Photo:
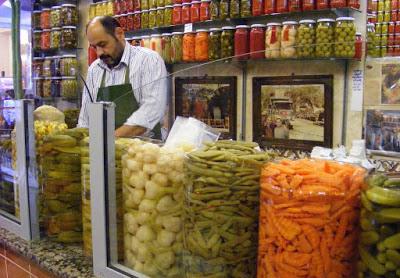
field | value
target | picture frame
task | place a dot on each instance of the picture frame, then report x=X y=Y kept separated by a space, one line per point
x=390 y=84
x=293 y=112
x=210 y=99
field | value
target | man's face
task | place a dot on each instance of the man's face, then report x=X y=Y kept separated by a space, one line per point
x=108 y=48
x=279 y=122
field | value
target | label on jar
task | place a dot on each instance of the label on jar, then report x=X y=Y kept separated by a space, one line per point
x=188 y=27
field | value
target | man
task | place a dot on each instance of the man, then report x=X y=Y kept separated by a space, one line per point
x=281 y=131
x=134 y=78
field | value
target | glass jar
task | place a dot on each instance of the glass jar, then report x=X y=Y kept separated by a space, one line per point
x=257 y=41
x=325 y=38
x=37 y=66
x=55 y=16
x=227 y=41
x=306 y=39
x=137 y=20
x=55 y=69
x=135 y=41
x=383 y=51
x=282 y=6
x=309 y=5
x=69 y=87
x=68 y=65
x=37 y=40
x=160 y=17
x=214 y=44
x=36 y=20
x=223 y=9
x=110 y=7
x=55 y=87
x=99 y=11
x=295 y=6
x=144 y=4
x=46 y=92
x=195 y=11
x=69 y=37
x=379 y=17
x=322 y=4
x=176 y=47
x=144 y=19
x=92 y=11
x=166 y=47
x=386 y=16
x=152 y=4
x=152 y=18
x=69 y=15
x=188 y=47
x=129 y=6
x=205 y=10
x=384 y=28
x=378 y=28
x=177 y=14
x=392 y=28
x=160 y=3
x=345 y=34
x=273 y=40
x=245 y=8
x=45 y=40
x=55 y=38
x=241 y=47
x=129 y=22
x=168 y=15
x=122 y=18
x=214 y=9
x=358 y=46
x=45 y=19
x=201 y=46
x=38 y=86
x=288 y=39
x=394 y=15
x=145 y=41
x=371 y=41
x=257 y=7
x=338 y=4
x=269 y=6
x=185 y=13
x=384 y=40
x=234 y=9
x=47 y=66
x=155 y=43
x=355 y=4
x=394 y=5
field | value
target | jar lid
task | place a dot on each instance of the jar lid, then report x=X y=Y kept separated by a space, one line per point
x=155 y=36
x=68 y=77
x=48 y=57
x=68 y=5
x=201 y=30
x=228 y=28
x=215 y=29
x=46 y=30
x=123 y=14
x=257 y=26
x=169 y=6
x=242 y=26
x=55 y=78
x=137 y=12
x=360 y=34
x=205 y=0
x=36 y=12
x=130 y=13
x=290 y=23
x=166 y=34
x=274 y=24
x=56 y=29
x=161 y=8
x=145 y=37
x=177 y=33
x=37 y=31
x=115 y=16
x=144 y=11
x=38 y=78
x=345 y=18
x=307 y=21
x=46 y=9
x=177 y=5
x=326 y=20
x=152 y=9
x=195 y=2
x=56 y=7
x=189 y=32
x=69 y=27
x=37 y=58
x=68 y=56
x=186 y=4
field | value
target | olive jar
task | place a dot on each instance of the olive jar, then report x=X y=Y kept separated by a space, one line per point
x=68 y=65
x=69 y=37
x=69 y=15
x=306 y=39
x=69 y=87
x=325 y=37
x=227 y=41
x=345 y=36
x=214 y=45
x=55 y=16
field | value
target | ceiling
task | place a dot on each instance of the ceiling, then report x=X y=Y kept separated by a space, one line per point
x=5 y=14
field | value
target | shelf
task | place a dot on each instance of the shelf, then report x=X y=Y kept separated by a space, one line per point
x=330 y=13
x=55 y=99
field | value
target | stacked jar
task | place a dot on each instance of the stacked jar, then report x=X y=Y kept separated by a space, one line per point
x=257 y=41
x=227 y=41
x=306 y=39
x=273 y=40
x=288 y=39
x=166 y=47
x=176 y=47
x=325 y=38
x=201 y=45
x=188 y=46
x=155 y=43
x=345 y=35
x=373 y=48
x=214 y=44
x=242 y=37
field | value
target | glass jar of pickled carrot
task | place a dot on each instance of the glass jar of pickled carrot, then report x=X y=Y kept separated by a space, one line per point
x=188 y=45
x=45 y=39
x=201 y=45
x=322 y=4
x=308 y=5
x=269 y=6
x=205 y=10
x=294 y=6
x=355 y=4
x=195 y=11
x=257 y=7
x=282 y=6
x=177 y=14
x=45 y=19
x=185 y=13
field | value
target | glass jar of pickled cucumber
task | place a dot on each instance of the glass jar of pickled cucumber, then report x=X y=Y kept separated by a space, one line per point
x=384 y=28
x=69 y=37
x=325 y=38
x=168 y=15
x=38 y=86
x=69 y=15
x=176 y=47
x=55 y=86
x=68 y=65
x=160 y=3
x=36 y=20
x=47 y=67
x=371 y=41
x=152 y=4
x=55 y=16
x=234 y=9
x=245 y=8
x=45 y=18
x=214 y=9
x=345 y=35
x=152 y=18
x=45 y=39
x=145 y=41
x=55 y=38
x=160 y=17
x=144 y=4
x=37 y=66
x=46 y=87
x=306 y=39
x=69 y=87
x=223 y=9
x=188 y=46
x=214 y=44
x=144 y=19
x=227 y=41
x=166 y=47
x=273 y=40
x=201 y=45
x=288 y=39
x=37 y=40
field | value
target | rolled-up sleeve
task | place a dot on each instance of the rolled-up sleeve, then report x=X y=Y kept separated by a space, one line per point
x=83 y=120
x=153 y=92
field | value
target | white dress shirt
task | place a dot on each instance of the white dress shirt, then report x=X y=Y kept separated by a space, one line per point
x=148 y=77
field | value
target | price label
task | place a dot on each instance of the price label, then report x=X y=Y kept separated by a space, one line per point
x=188 y=27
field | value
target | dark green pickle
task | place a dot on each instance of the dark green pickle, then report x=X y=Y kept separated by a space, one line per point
x=223 y=9
x=214 y=44
x=245 y=8
x=214 y=9
x=227 y=41
x=234 y=9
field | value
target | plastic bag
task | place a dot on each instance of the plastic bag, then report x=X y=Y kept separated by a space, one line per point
x=48 y=113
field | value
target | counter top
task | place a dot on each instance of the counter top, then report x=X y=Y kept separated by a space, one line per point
x=63 y=261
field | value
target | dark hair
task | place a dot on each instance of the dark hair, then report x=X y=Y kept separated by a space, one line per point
x=109 y=24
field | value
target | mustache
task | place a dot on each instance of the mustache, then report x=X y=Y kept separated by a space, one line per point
x=103 y=57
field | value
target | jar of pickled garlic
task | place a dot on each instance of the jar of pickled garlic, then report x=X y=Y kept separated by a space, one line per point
x=306 y=39
x=227 y=41
x=309 y=5
x=214 y=44
x=201 y=45
x=195 y=11
x=160 y=17
x=166 y=47
x=176 y=47
x=145 y=41
x=204 y=10
x=168 y=15
x=269 y=6
x=325 y=38
x=177 y=14
x=273 y=40
x=188 y=51
x=242 y=36
x=288 y=39
x=155 y=43
x=257 y=41
x=185 y=13
x=295 y=6
x=345 y=34
x=144 y=19
x=282 y=6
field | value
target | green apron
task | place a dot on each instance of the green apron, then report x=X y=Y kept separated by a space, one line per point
x=124 y=100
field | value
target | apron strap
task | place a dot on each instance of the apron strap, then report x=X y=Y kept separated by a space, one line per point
x=103 y=78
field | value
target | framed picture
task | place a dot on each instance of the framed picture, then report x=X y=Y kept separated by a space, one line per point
x=390 y=92
x=211 y=100
x=293 y=112
x=382 y=131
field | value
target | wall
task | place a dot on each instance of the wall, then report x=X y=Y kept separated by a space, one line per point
x=5 y=50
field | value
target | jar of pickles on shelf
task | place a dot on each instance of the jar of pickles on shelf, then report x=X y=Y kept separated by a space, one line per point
x=168 y=15
x=257 y=41
x=223 y=9
x=201 y=45
x=152 y=4
x=69 y=15
x=234 y=9
x=37 y=66
x=137 y=20
x=273 y=40
x=340 y=3
x=242 y=42
x=288 y=39
x=45 y=39
x=322 y=4
x=144 y=19
x=37 y=40
x=176 y=47
x=204 y=10
x=345 y=35
x=55 y=66
x=295 y=6
x=152 y=18
x=282 y=6
x=55 y=38
x=110 y=8
x=269 y=6
x=145 y=41
x=129 y=22
x=69 y=87
x=188 y=46
x=177 y=14
x=45 y=19
x=214 y=9
x=36 y=20
x=227 y=41
x=69 y=37
x=371 y=41
x=166 y=47
x=325 y=38
x=160 y=17
x=185 y=13
x=306 y=39
x=55 y=16
x=68 y=65
x=309 y=5
x=38 y=85
x=144 y=4
x=46 y=92
x=214 y=44
x=155 y=43
x=46 y=72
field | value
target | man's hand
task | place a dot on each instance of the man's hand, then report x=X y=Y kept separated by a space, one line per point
x=129 y=131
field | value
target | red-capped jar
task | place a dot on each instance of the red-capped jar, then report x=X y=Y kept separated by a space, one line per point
x=355 y=4
x=397 y=50
x=257 y=43
x=358 y=46
x=137 y=22
x=242 y=42
x=185 y=13
x=391 y=39
x=269 y=6
x=391 y=51
x=45 y=39
x=397 y=27
x=392 y=28
x=123 y=21
x=308 y=5
x=129 y=6
x=205 y=10
x=177 y=14
x=322 y=4
x=129 y=22
x=257 y=7
x=282 y=6
x=394 y=16
x=338 y=3
x=195 y=11
x=394 y=5
x=294 y=6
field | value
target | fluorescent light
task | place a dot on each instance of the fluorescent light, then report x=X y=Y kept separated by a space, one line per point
x=7 y=4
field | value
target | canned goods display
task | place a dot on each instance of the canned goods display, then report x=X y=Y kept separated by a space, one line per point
x=385 y=28
x=391 y=27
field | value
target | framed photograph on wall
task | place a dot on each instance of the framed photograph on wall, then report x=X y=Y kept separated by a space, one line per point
x=211 y=100
x=293 y=112
x=390 y=79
